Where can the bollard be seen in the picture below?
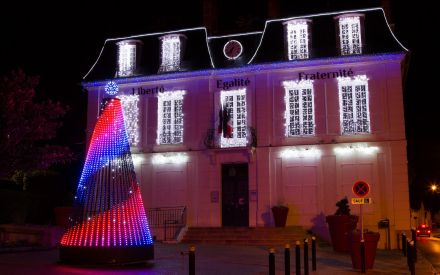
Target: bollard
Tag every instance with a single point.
(408, 254)
(414, 252)
(192, 260)
(362, 256)
(414, 240)
(306, 256)
(271, 261)
(287, 259)
(313, 253)
(404, 244)
(298, 257)
(411, 252)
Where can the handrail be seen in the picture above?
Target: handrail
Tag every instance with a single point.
(171, 219)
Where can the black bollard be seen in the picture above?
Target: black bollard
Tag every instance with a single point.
(298, 257)
(287, 259)
(192, 260)
(306, 256)
(313, 253)
(404, 244)
(362, 256)
(408, 254)
(271, 261)
(414, 239)
(411, 263)
(414, 253)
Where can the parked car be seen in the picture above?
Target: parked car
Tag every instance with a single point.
(423, 230)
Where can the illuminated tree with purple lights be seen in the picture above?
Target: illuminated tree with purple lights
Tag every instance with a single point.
(109, 224)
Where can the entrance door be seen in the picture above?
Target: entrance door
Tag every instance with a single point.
(235, 203)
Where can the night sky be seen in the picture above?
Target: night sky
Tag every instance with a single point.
(60, 43)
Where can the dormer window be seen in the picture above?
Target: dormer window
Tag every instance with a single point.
(128, 54)
(171, 52)
(297, 41)
(350, 28)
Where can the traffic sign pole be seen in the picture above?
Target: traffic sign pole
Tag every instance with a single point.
(362, 222)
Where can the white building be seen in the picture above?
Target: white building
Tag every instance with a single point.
(314, 104)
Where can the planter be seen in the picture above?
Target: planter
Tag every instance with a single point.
(280, 215)
(371, 239)
(340, 226)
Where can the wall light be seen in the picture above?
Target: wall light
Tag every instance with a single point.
(175, 158)
(137, 159)
(363, 149)
(300, 152)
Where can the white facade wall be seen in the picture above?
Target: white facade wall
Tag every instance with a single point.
(309, 185)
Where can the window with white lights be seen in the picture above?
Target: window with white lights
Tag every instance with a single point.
(297, 38)
(299, 114)
(170, 117)
(350, 34)
(234, 107)
(127, 56)
(130, 108)
(171, 50)
(353, 103)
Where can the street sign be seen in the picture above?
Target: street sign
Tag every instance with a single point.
(361, 200)
(361, 189)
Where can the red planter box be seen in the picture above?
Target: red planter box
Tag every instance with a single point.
(280, 215)
(340, 226)
(371, 239)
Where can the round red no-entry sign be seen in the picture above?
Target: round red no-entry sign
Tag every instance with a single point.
(361, 188)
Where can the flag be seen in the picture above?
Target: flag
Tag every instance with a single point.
(225, 122)
(220, 120)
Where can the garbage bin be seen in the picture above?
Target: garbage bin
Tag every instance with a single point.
(371, 239)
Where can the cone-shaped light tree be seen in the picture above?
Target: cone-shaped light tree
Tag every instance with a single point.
(108, 223)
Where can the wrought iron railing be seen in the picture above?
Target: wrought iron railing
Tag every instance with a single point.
(212, 138)
(170, 219)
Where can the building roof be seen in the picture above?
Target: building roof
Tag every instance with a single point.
(202, 52)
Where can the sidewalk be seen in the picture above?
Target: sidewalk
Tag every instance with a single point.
(210, 259)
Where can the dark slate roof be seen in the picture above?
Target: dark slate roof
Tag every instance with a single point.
(202, 52)
(249, 41)
(195, 57)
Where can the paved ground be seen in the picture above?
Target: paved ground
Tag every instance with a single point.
(210, 259)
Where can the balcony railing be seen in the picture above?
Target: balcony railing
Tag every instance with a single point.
(212, 138)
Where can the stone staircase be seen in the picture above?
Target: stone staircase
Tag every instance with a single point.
(276, 236)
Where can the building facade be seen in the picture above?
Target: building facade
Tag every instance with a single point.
(230, 126)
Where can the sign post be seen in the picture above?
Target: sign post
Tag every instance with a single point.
(361, 189)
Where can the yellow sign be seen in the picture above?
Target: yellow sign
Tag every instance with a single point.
(361, 200)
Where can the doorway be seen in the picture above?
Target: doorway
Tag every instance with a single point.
(235, 198)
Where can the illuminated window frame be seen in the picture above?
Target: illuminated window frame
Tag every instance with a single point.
(170, 117)
(297, 39)
(350, 33)
(354, 105)
(300, 108)
(131, 111)
(171, 47)
(127, 57)
(235, 103)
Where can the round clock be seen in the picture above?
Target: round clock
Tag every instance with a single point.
(232, 49)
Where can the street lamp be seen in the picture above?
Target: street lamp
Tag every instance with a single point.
(434, 187)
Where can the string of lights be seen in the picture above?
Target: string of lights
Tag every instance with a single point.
(108, 208)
